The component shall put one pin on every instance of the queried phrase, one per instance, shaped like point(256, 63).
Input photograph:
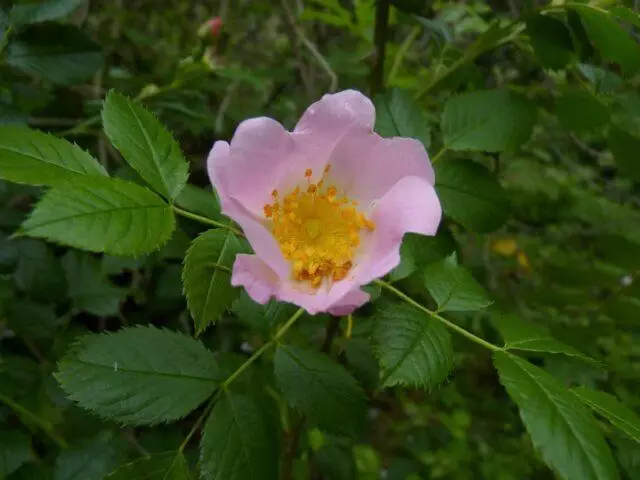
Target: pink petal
point(410, 206)
point(218, 157)
point(260, 238)
point(338, 111)
point(255, 276)
point(257, 160)
point(347, 304)
point(367, 165)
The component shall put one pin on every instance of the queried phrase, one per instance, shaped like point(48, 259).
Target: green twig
point(380, 41)
point(402, 52)
point(43, 424)
point(205, 220)
point(439, 154)
point(443, 320)
point(287, 325)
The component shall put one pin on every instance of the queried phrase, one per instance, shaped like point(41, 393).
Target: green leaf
point(139, 375)
point(580, 111)
point(145, 144)
point(321, 389)
point(38, 271)
point(519, 334)
point(89, 289)
point(551, 41)
point(610, 407)
point(91, 460)
point(564, 432)
point(471, 195)
point(200, 201)
point(453, 288)
point(604, 81)
point(611, 40)
point(207, 275)
point(43, 11)
point(30, 319)
point(489, 120)
point(414, 350)
point(36, 158)
point(262, 317)
point(418, 251)
point(15, 450)
point(398, 115)
point(626, 14)
point(102, 215)
point(72, 58)
point(625, 148)
point(163, 466)
point(237, 443)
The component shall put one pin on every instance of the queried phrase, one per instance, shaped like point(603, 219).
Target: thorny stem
point(380, 41)
point(432, 314)
point(206, 221)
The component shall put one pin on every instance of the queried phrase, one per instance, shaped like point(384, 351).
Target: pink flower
point(324, 207)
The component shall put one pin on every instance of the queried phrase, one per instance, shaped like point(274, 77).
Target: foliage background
point(555, 240)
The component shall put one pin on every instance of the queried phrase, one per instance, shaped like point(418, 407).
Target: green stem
point(380, 41)
point(4, 41)
point(287, 325)
point(438, 155)
point(435, 315)
point(206, 221)
point(43, 424)
point(402, 52)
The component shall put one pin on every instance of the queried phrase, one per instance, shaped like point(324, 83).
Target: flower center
point(317, 229)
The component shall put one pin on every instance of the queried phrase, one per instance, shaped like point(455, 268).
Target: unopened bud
point(211, 27)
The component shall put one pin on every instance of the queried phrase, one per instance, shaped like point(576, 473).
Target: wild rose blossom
point(324, 207)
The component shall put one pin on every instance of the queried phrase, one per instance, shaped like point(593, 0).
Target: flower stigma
point(318, 230)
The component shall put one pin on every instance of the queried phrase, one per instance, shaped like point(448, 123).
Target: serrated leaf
point(398, 115)
point(625, 148)
point(163, 466)
point(38, 271)
point(321, 389)
point(145, 144)
point(489, 120)
point(609, 38)
point(564, 432)
point(519, 334)
point(453, 288)
point(138, 376)
point(551, 41)
point(207, 275)
point(73, 56)
point(580, 111)
point(471, 195)
point(236, 442)
point(43, 11)
point(102, 215)
point(15, 450)
point(414, 350)
point(610, 407)
point(90, 460)
point(36, 158)
point(89, 289)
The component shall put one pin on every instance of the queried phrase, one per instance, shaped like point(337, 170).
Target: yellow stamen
point(318, 231)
